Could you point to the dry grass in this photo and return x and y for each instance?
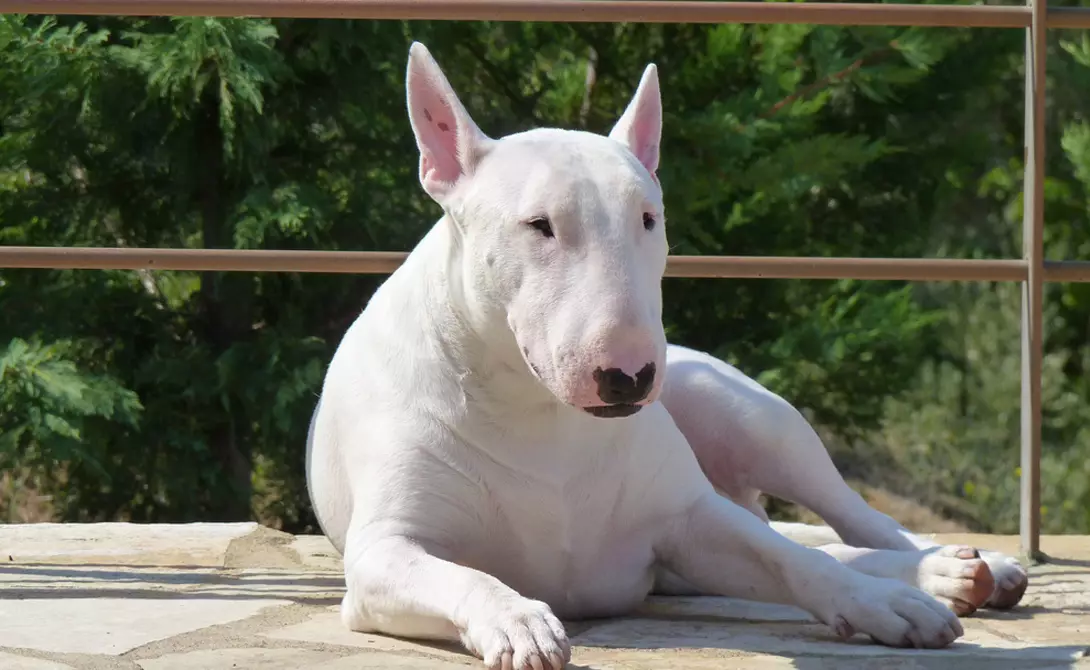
(20, 500)
(909, 513)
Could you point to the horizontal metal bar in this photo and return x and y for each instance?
(787, 267)
(636, 11)
(1067, 271)
(1068, 17)
(382, 262)
(227, 260)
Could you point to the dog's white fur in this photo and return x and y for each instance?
(454, 461)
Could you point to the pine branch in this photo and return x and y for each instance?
(826, 81)
(525, 106)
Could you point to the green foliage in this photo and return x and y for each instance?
(48, 406)
(183, 396)
(956, 431)
(826, 363)
(233, 60)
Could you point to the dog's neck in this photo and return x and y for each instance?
(473, 337)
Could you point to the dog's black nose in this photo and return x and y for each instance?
(616, 388)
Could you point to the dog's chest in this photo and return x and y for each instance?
(581, 548)
(570, 513)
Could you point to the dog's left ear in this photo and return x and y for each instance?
(640, 127)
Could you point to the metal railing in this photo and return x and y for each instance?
(1032, 270)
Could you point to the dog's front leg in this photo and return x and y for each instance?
(397, 587)
(721, 548)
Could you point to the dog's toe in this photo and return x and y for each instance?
(957, 577)
(525, 635)
(1011, 580)
(899, 615)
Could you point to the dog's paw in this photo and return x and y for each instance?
(957, 576)
(521, 635)
(1011, 580)
(894, 614)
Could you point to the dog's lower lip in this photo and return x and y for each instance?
(613, 411)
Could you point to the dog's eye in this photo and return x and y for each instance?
(648, 220)
(542, 225)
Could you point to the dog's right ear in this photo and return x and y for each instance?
(451, 145)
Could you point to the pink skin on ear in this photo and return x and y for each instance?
(640, 127)
(436, 133)
(447, 137)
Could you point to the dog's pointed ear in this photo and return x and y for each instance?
(640, 127)
(451, 145)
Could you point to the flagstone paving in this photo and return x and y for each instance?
(241, 596)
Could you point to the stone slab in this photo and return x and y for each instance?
(101, 590)
(808, 640)
(727, 609)
(73, 581)
(306, 587)
(316, 552)
(31, 581)
(674, 659)
(245, 658)
(257, 658)
(13, 662)
(192, 544)
(113, 625)
(387, 661)
(326, 628)
(262, 548)
(671, 659)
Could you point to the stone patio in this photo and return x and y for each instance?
(241, 597)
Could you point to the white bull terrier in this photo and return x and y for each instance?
(504, 437)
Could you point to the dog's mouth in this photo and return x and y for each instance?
(613, 411)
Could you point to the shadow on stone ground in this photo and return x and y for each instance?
(238, 596)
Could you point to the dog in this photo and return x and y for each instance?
(504, 438)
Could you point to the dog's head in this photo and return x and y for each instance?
(562, 238)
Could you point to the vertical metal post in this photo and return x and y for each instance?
(1032, 293)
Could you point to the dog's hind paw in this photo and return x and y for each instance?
(1011, 580)
(957, 576)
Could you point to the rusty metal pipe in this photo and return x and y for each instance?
(1068, 17)
(383, 262)
(635, 11)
